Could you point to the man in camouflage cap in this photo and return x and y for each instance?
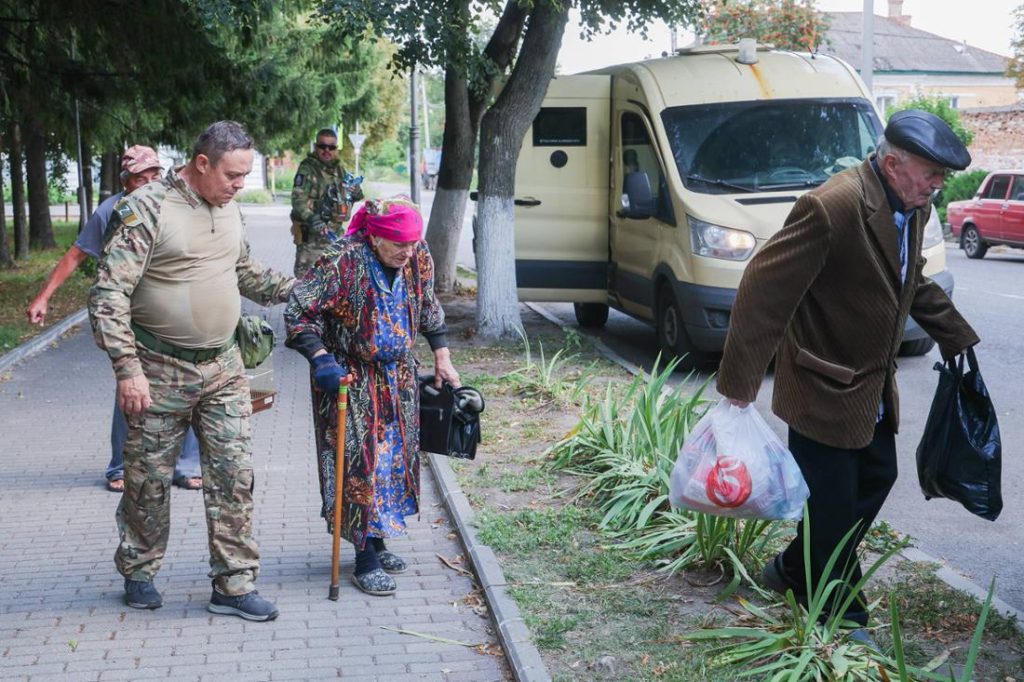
(140, 165)
(164, 306)
(322, 198)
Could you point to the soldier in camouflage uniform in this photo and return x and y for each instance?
(322, 198)
(164, 307)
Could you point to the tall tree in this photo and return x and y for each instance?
(450, 34)
(5, 252)
(786, 24)
(40, 225)
(1015, 68)
(17, 167)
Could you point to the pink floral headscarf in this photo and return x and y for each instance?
(397, 219)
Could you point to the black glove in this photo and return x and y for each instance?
(327, 373)
(317, 227)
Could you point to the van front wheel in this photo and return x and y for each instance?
(591, 315)
(672, 337)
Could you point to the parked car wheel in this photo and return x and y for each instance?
(973, 246)
(917, 347)
(591, 315)
(672, 337)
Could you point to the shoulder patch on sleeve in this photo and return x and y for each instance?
(127, 214)
(299, 179)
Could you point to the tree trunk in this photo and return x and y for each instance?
(109, 172)
(87, 176)
(501, 135)
(463, 110)
(18, 192)
(454, 175)
(40, 226)
(5, 252)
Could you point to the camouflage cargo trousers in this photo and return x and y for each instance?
(307, 253)
(214, 397)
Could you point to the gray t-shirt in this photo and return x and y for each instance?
(90, 239)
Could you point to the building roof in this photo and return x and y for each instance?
(901, 48)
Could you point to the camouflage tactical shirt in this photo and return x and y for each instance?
(175, 265)
(317, 194)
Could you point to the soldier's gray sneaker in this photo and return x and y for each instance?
(376, 583)
(391, 562)
(250, 606)
(140, 594)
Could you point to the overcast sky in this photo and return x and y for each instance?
(987, 24)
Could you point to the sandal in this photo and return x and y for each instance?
(115, 485)
(189, 482)
(391, 562)
(376, 583)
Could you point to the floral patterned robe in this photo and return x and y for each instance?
(370, 325)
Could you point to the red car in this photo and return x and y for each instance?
(994, 216)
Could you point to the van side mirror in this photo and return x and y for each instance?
(637, 194)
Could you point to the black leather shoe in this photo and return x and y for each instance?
(773, 577)
(250, 606)
(140, 594)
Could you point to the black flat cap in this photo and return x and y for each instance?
(928, 136)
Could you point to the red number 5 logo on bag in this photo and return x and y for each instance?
(728, 483)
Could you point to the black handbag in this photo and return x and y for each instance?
(449, 419)
(960, 455)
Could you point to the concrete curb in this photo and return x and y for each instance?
(944, 572)
(523, 657)
(39, 343)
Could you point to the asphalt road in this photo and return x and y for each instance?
(990, 293)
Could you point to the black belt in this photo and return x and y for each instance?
(193, 355)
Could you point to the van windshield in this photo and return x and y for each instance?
(765, 146)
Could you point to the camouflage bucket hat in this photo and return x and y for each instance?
(255, 339)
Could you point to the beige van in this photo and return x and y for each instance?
(647, 187)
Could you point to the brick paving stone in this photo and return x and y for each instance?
(57, 579)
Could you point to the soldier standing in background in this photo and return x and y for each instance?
(164, 307)
(322, 198)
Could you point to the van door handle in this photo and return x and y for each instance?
(528, 201)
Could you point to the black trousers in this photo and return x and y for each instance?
(848, 488)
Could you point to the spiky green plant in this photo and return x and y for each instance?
(811, 642)
(625, 446)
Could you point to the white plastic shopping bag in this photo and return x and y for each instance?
(733, 464)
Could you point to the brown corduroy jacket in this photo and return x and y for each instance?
(824, 297)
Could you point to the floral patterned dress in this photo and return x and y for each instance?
(370, 324)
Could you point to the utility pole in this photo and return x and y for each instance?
(867, 49)
(414, 142)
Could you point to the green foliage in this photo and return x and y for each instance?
(626, 444)
(624, 449)
(255, 196)
(959, 186)
(1015, 66)
(544, 377)
(785, 24)
(530, 529)
(807, 642)
(940, 107)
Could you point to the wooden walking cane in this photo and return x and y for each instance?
(339, 485)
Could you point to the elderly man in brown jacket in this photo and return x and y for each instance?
(828, 297)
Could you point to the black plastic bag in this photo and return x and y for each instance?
(449, 419)
(960, 455)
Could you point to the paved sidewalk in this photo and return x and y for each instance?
(61, 614)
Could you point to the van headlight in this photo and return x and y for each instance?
(933, 235)
(715, 241)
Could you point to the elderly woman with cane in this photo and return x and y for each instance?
(357, 313)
